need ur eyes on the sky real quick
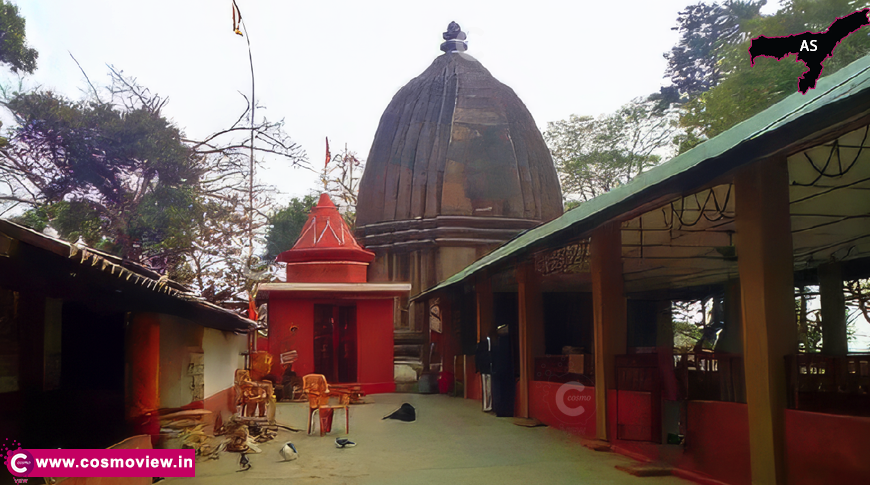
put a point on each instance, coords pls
(330, 68)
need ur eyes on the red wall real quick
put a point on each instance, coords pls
(284, 313)
(374, 339)
(374, 326)
(717, 440)
(544, 406)
(222, 403)
(825, 448)
(472, 380)
(348, 272)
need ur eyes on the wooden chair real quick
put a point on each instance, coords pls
(317, 389)
(252, 395)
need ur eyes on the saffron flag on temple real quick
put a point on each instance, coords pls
(252, 309)
(237, 18)
(328, 156)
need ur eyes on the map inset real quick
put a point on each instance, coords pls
(811, 48)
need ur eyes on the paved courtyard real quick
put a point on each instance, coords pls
(452, 441)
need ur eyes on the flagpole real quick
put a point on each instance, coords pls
(253, 291)
(251, 158)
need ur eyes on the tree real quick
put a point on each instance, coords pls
(693, 64)
(745, 90)
(594, 155)
(116, 173)
(688, 319)
(340, 178)
(125, 175)
(286, 225)
(14, 51)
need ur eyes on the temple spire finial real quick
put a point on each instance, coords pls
(454, 39)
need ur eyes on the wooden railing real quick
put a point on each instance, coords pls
(829, 384)
(711, 376)
(638, 398)
(566, 368)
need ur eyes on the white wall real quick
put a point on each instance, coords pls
(222, 358)
(179, 338)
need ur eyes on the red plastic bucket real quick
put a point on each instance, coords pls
(445, 382)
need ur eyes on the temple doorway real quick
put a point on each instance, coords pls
(335, 342)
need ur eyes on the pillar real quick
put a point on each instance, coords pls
(31, 366)
(483, 299)
(143, 364)
(531, 328)
(835, 341)
(766, 268)
(731, 339)
(416, 289)
(609, 315)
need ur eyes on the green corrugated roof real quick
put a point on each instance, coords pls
(837, 98)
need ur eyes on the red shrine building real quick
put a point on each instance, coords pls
(338, 324)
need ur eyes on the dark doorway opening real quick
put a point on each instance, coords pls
(335, 342)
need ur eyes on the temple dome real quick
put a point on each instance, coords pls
(457, 142)
(326, 250)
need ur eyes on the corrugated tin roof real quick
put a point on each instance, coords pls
(837, 98)
(129, 273)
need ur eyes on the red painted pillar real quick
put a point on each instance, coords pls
(766, 264)
(143, 372)
(609, 309)
(531, 329)
(483, 298)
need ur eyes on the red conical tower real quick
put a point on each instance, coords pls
(326, 251)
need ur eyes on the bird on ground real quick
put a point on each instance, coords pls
(288, 452)
(344, 443)
(244, 463)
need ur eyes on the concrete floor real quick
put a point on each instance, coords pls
(452, 441)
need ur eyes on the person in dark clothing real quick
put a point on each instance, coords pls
(483, 363)
(503, 379)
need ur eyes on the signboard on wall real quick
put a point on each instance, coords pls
(289, 357)
(435, 315)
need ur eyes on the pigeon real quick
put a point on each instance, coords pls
(405, 413)
(244, 463)
(288, 452)
(344, 443)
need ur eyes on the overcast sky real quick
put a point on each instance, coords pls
(331, 68)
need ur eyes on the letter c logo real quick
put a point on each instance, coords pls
(560, 398)
(14, 462)
(21, 463)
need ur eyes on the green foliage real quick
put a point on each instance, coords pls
(14, 51)
(693, 67)
(286, 225)
(594, 155)
(687, 318)
(745, 90)
(119, 178)
(116, 173)
(72, 220)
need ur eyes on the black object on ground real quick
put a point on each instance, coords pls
(344, 443)
(405, 413)
(244, 463)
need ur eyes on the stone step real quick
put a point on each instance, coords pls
(646, 469)
(404, 337)
(408, 351)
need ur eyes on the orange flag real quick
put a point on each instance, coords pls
(237, 18)
(328, 156)
(252, 310)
